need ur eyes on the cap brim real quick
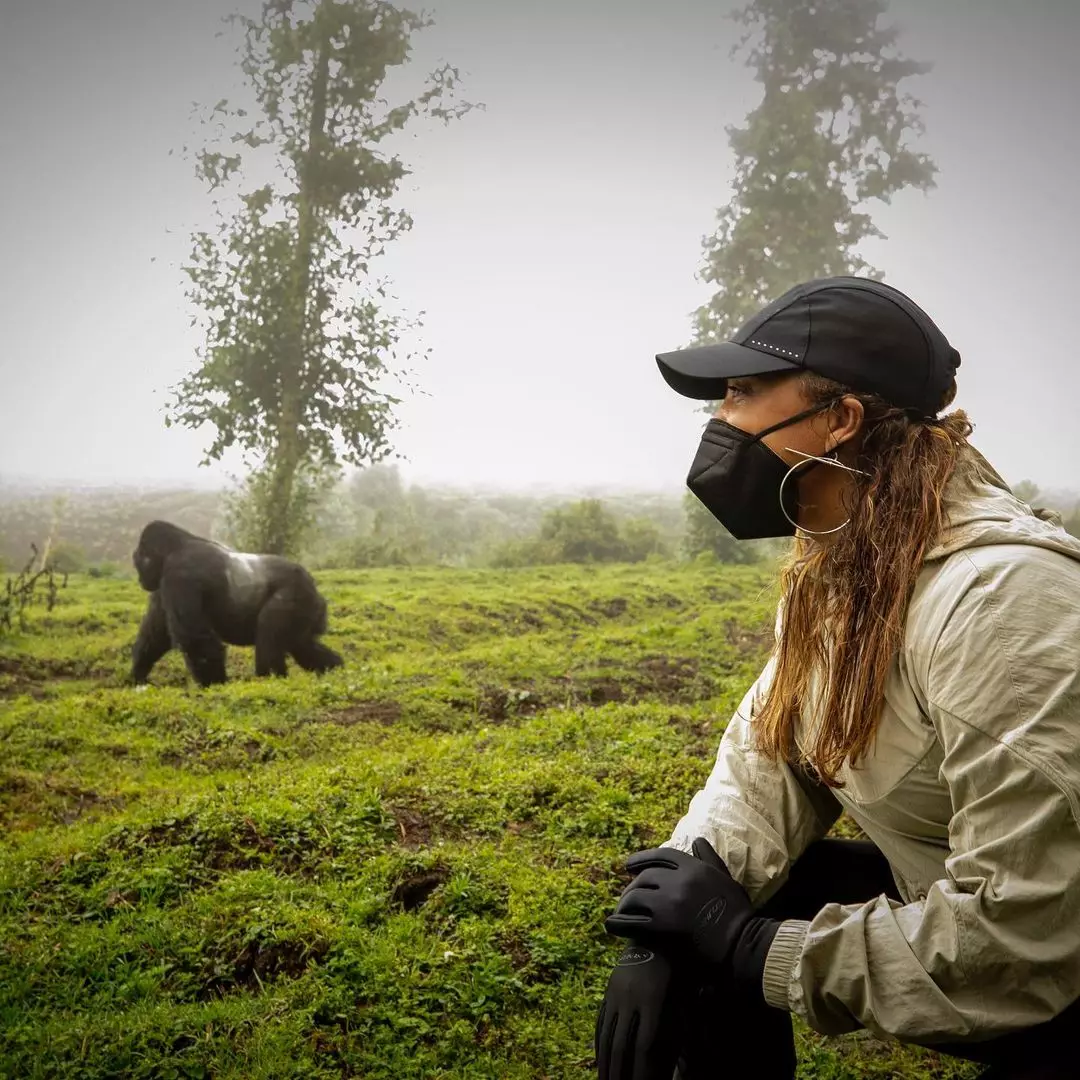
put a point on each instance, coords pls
(702, 372)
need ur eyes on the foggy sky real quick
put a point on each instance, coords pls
(557, 233)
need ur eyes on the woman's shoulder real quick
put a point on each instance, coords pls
(1000, 576)
(1000, 613)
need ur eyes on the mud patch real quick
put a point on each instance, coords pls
(259, 962)
(600, 691)
(377, 710)
(568, 614)
(671, 678)
(288, 847)
(216, 750)
(749, 641)
(497, 704)
(529, 618)
(525, 963)
(611, 609)
(414, 830)
(413, 891)
(28, 802)
(665, 600)
(28, 675)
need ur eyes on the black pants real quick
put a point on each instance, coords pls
(849, 872)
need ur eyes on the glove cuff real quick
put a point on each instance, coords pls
(751, 952)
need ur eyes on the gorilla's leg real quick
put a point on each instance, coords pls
(192, 632)
(273, 630)
(313, 655)
(153, 641)
(310, 610)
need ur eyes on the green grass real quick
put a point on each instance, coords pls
(400, 870)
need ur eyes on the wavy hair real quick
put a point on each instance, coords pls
(844, 603)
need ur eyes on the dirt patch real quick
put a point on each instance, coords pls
(749, 641)
(532, 970)
(27, 675)
(243, 847)
(377, 710)
(166, 834)
(40, 668)
(611, 609)
(600, 691)
(671, 678)
(528, 618)
(515, 948)
(217, 750)
(26, 802)
(665, 600)
(414, 830)
(247, 848)
(18, 678)
(259, 962)
(267, 961)
(413, 891)
(497, 704)
(565, 612)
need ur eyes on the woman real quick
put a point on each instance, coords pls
(925, 678)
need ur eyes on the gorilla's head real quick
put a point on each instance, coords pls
(158, 540)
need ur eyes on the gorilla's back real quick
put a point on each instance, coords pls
(249, 584)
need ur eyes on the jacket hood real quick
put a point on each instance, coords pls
(983, 510)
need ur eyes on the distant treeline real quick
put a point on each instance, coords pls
(375, 519)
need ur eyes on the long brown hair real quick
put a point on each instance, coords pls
(845, 602)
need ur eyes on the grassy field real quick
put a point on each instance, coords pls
(397, 871)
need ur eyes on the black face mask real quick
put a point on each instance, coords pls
(737, 478)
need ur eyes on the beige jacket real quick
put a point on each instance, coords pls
(972, 792)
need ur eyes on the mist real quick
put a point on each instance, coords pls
(557, 234)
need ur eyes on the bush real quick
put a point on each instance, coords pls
(705, 535)
(104, 570)
(67, 558)
(584, 532)
(642, 539)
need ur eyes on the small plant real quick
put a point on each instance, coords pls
(28, 587)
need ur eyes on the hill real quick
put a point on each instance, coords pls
(398, 871)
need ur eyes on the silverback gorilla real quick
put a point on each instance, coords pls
(204, 596)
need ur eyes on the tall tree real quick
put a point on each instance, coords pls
(297, 341)
(828, 139)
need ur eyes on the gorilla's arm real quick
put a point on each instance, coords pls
(191, 628)
(152, 643)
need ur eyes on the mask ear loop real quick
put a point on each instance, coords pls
(823, 461)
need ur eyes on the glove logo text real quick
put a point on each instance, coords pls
(634, 955)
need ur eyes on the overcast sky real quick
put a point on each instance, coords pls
(557, 233)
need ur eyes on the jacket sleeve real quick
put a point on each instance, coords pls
(995, 944)
(758, 814)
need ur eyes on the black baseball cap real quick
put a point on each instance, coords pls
(853, 330)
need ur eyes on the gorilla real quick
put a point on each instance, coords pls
(204, 596)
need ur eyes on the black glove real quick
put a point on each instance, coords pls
(691, 906)
(637, 1029)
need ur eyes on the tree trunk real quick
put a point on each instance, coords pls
(288, 453)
